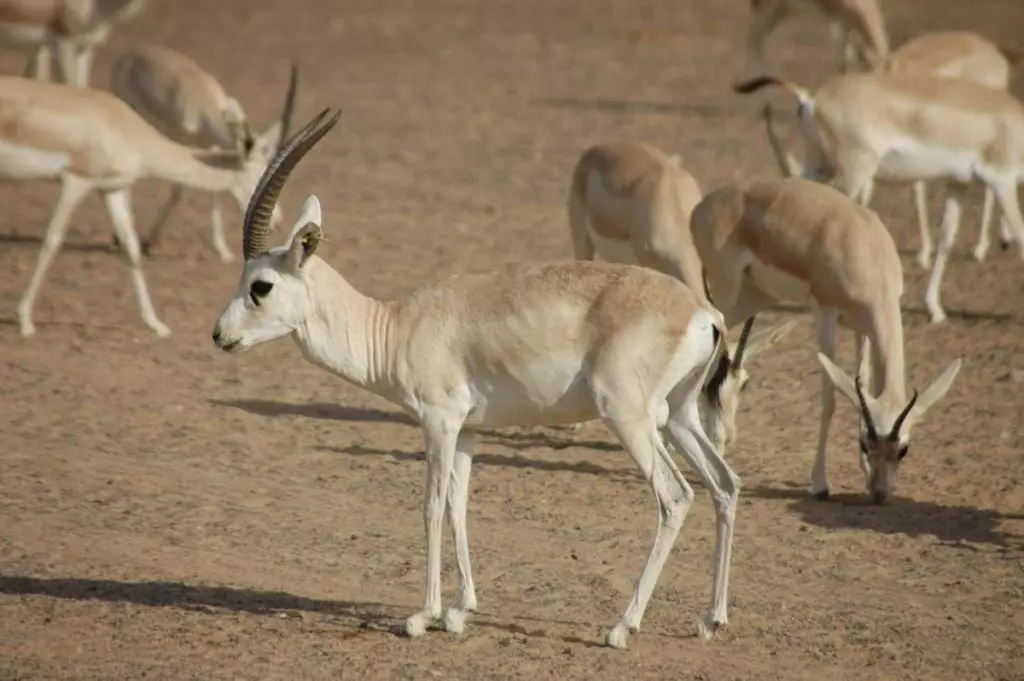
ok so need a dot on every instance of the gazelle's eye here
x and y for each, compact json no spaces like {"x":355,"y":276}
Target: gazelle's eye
{"x":259,"y":289}
{"x":902,"y":453}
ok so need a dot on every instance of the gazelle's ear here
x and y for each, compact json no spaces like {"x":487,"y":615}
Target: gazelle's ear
{"x":937,"y":390}
{"x":306,"y":234}
{"x":763,"y":339}
{"x":839,"y":379}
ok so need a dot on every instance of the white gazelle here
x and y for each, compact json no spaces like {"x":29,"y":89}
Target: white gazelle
{"x":68,"y":30}
{"x":90,"y":140}
{"x":630,"y":203}
{"x":911,"y":127}
{"x":543,"y":344}
{"x":800,"y":241}
{"x":188,"y":105}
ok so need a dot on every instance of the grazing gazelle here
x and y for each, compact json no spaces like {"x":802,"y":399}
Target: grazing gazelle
{"x":857,"y":27}
{"x":909,"y":127}
{"x":947,"y":54}
{"x":800,"y":241}
{"x":68,"y":29}
{"x":543,"y":344}
{"x":185,"y":103}
{"x":91,"y":140}
{"x":630,"y":203}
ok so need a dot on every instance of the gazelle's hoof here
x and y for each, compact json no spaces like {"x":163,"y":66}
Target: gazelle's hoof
{"x":28,"y":329}
{"x":938,"y":316}
{"x":617,"y":637}
{"x":823,"y":495}
{"x":454,"y":621}
{"x":709,"y":624}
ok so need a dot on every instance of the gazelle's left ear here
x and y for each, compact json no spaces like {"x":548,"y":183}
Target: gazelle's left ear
{"x":937,"y":390}
{"x":840,"y":380}
{"x":306,"y":233}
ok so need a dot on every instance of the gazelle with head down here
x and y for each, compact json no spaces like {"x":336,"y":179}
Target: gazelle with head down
{"x":630,"y":203}
{"x":69,"y":30}
{"x":798,"y":241}
{"x":188,"y":105}
{"x":90,"y":140}
{"x":544,"y":344}
{"x":909,"y":127}
{"x":947,"y":54}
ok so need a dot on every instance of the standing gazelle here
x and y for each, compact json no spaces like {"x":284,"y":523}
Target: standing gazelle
{"x":630,"y":203}
{"x":800,"y":241}
{"x":91,"y":140}
{"x":188,"y":105}
{"x":544,"y":344}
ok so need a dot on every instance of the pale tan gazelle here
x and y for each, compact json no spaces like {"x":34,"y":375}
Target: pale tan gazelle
{"x":188,"y":105}
{"x":948,"y":54}
{"x":90,"y":140}
{"x":630,"y":203}
{"x":800,"y":241}
{"x":910,"y":127}
{"x":69,"y":30}
{"x":857,"y":26}
{"x":540,"y":344}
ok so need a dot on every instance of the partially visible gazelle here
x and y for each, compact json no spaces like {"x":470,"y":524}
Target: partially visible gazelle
{"x":630,"y":203}
{"x":90,"y":140}
{"x":188,"y":105}
{"x":910,"y":127}
{"x":542,"y":344}
{"x":68,"y":30}
{"x":949,"y":54}
{"x":857,"y":26}
{"x":799,"y":241}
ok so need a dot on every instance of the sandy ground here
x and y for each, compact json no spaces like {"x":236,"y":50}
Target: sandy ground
{"x":171,"y":512}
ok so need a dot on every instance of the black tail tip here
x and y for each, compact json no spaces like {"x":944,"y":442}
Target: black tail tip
{"x":746,"y":87}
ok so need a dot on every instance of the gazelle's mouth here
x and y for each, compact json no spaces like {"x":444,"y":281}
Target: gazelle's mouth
{"x":233,"y":346}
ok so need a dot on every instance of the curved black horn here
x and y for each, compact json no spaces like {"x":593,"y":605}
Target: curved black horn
{"x":741,"y":345}
{"x":256,"y":225}
{"x":894,"y":434}
{"x":865,"y":413}
{"x":289,"y":105}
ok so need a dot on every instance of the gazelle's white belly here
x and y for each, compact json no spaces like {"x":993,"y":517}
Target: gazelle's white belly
{"x":612,"y":250}
{"x":26,"y":163}
{"x":910,"y":160}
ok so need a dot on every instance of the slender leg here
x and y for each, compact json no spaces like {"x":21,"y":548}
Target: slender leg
{"x":458,"y":497}
{"x":219,"y":244}
{"x":924,"y":256}
{"x":867,"y":192}
{"x":981,"y":249}
{"x":65,"y":51}
{"x":156,"y":230}
{"x":674,"y":496}
{"x":119,"y":207}
{"x":440,"y":435}
{"x":827,"y":319}
{"x":40,"y":64}
{"x":950,"y":225}
{"x":83,"y":66}
{"x":72,"y":191}
{"x":1006,"y":196}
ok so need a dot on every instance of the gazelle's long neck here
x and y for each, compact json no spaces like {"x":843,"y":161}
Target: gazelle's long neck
{"x":887,"y":360}
{"x":177,"y":163}
{"x":348,"y":333}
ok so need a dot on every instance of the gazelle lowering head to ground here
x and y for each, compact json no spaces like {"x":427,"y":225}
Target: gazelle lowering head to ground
{"x":800,"y":241}
{"x":69,"y":29}
{"x":630,"y":203}
{"x":185,"y":103}
{"x":948,"y":54}
{"x":857,"y":26}
{"x":545,"y":344}
{"x":909,"y":127}
{"x":89,"y":139}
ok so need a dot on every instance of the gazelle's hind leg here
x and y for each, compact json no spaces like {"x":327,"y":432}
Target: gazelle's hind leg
{"x":458,"y":498}
{"x":950,"y":225}
{"x":120,"y":209}
{"x":981,"y":249}
{"x":72,"y":191}
{"x":924,"y":256}
{"x":1006,"y":195}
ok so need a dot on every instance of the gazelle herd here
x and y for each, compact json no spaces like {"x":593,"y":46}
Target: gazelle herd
{"x":638,"y":341}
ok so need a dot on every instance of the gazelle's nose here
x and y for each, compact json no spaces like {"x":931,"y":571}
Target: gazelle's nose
{"x":216,"y":336}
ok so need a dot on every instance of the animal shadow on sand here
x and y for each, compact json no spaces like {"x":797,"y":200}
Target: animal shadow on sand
{"x":958,"y":527}
{"x":360,"y":617}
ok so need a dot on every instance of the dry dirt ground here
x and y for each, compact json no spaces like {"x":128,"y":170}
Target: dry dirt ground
{"x":168,"y":511}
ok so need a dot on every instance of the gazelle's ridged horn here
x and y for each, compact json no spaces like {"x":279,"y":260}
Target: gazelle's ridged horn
{"x":894,"y":434}
{"x":741,"y":345}
{"x":256,"y":225}
{"x":289,"y":105}
{"x":865,"y":412}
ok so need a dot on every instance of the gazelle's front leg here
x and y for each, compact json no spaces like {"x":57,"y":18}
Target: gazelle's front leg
{"x":950,"y":224}
{"x":458,"y":499}
{"x":827,"y":319}
{"x":440,"y":434}
{"x":924,"y":256}
{"x":981,"y":249}
{"x":218,"y":232}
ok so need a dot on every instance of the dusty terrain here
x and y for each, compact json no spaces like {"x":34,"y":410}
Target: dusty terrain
{"x":168,"y":511}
